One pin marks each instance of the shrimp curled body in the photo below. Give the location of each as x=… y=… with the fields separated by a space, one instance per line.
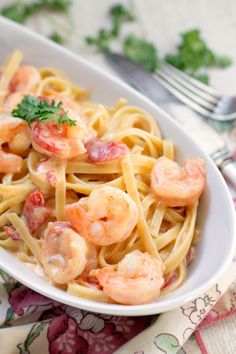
x=25 y=79
x=175 y=186
x=62 y=144
x=107 y=216
x=137 y=281
x=63 y=252
x=16 y=134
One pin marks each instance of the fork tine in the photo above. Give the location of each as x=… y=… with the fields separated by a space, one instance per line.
x=195 y=98
x=186 y=82
x=189 y=102
x=192 y=80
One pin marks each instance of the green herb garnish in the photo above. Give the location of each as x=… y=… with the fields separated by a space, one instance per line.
x=101 y=41
x=16 y=12
x=57 y=5
x=193 y=55
x=118 y=14
x=56 y=37
x=32 y=108
x=141 y=51
x=19 y=11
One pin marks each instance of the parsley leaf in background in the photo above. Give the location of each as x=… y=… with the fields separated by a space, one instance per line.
x=15 y=12
x=57 y=5
x=202 y=77
x=101 y=41
x=31 y=108
x=141 y=52
x=119 y=14
x=19 y=11
x=193 y=55
x=56 y=37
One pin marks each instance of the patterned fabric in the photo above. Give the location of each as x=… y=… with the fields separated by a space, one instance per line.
x=64 y=329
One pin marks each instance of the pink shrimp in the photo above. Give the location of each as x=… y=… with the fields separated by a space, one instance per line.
x=25 y=79
x=13 y=100
x=107 y=216
x=14 y=132
x=137 y=280
x=63 y=143
x=63 y=252
x=175 y=186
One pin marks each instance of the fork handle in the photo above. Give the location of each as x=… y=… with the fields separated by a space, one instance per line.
x=229 y=172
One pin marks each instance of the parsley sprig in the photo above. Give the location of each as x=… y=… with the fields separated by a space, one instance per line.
x=118 y=14
x=141 y=52
x=57 y=37
x=32 y=108
x=193 y=55
x=19 y=11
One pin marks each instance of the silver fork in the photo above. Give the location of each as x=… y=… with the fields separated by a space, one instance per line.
x=200 y=97
x=192 y=92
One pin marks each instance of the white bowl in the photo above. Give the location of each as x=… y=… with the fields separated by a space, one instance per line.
x=216 y=217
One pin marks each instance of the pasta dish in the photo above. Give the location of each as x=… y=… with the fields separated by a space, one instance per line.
x=91 y=198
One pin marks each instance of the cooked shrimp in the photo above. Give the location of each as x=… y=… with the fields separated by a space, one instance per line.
x=63 y=143
x=63 y=252
x=14 y=132
x=175 y=186
x=13 y=100
x=26 y=79
x=45 y=175
x=71 y=108
x=137 y=281
x=107 y=216
x=92 y=258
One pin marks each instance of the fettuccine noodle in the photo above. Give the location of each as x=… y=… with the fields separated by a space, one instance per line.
x=166 y=232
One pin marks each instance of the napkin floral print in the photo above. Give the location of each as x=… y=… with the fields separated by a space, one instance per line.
x=67 y=330
x=168 y=344
x=197 y=309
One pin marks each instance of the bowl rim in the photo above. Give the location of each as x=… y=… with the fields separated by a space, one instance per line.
x=116 y=309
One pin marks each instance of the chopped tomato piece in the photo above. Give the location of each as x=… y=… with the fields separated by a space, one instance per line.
x=90 y=282
x=11 y=232
x=101 y=151
x=44 y=98
x=52 y=178
x=190 y=255
x=170 y=280
x=35 y=212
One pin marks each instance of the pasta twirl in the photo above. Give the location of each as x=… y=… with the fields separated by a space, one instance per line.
x=91 y=178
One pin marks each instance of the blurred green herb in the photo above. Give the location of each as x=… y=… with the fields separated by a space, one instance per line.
x=118 y=14
x=193 y=55
x=57 y=5
x=101 y=41
x=202 y=77
x=141 y=52
x=56 y=37
x=19 y=11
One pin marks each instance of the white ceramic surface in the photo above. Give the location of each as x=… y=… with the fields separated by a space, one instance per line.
x=216 y=217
